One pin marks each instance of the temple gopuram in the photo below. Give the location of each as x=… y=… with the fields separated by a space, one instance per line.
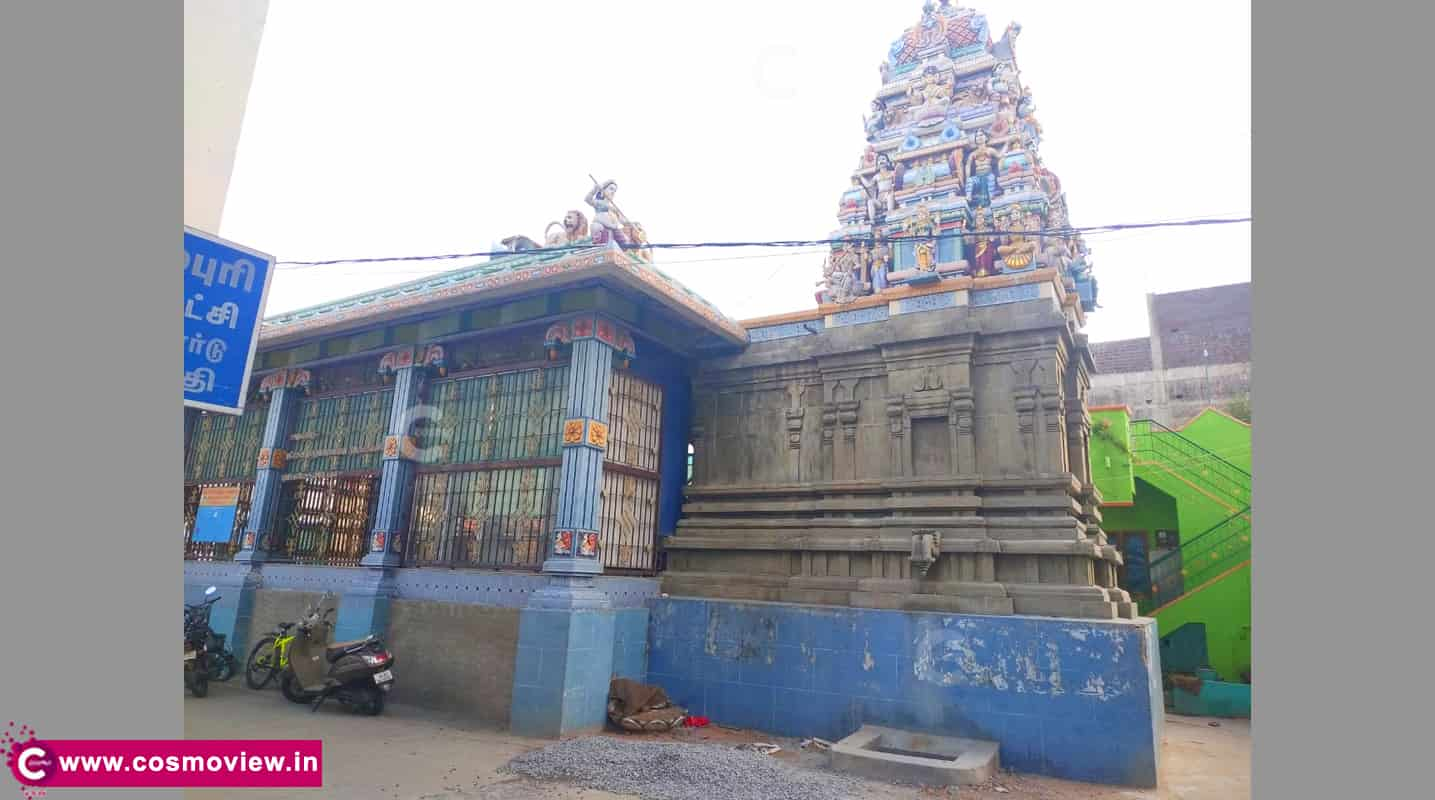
x=540 y=472
x=951 y=182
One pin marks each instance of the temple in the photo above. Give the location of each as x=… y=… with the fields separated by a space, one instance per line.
x=935 y=402
x=558 y=466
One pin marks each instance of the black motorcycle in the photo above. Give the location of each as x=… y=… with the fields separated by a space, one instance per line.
x=197 y=636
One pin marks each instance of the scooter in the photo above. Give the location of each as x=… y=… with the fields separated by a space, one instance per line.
x=357 y=673
x=196 y=643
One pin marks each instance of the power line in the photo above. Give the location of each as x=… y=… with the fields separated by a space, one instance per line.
x=787 y=243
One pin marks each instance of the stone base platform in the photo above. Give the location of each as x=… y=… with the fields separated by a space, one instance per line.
x=1075 y=699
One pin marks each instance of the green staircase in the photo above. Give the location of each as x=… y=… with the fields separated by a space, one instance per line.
x=1164 y=455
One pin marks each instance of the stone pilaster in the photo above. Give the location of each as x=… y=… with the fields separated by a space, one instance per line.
x=1053 y=449
x=897 y=434
x=963 y=418
x=829 y=429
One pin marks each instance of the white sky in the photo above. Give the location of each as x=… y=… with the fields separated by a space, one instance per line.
x=384 y=129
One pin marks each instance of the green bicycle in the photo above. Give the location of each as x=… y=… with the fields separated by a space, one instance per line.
x=269 y=657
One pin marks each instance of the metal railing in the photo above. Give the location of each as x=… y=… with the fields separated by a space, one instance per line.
x=1197 y=561
x=1159 y=445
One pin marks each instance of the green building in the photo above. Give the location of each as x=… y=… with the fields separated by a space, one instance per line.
x=1177 y=504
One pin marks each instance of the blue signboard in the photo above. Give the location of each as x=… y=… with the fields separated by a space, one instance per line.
x=225 y=286
x=213 y=523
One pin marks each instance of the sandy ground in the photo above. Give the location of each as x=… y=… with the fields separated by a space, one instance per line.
x=416 y=754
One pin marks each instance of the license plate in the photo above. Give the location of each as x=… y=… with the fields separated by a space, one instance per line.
x=383 y=677
x=188 y=655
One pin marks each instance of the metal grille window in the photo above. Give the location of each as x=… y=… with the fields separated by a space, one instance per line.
x=340 y=434
x=484 y=518
x=213 y=551
x=224 y=447
x=627 y=526
x=502 y=417
x=326 y=520
x=628 y=515
x=635 y=415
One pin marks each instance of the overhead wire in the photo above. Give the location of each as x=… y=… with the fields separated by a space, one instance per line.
x=784 y=243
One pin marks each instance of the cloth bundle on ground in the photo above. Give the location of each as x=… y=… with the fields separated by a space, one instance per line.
x=639 y=707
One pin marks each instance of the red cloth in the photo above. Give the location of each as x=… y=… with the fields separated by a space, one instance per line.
x=695 y=722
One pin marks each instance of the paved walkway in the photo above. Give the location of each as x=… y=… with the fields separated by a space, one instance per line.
x=414 y=754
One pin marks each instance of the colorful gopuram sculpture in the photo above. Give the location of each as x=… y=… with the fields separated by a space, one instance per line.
x=951 y=182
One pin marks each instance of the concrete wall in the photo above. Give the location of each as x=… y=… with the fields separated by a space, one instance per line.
x=221 y=47
x=454 y=633
x=1068 y=698
x=453 y=657
x=1172 y=397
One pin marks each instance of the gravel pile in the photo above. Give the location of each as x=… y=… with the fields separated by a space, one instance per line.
x=673 y=771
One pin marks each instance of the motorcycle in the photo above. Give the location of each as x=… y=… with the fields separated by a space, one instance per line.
x=196 y=643
x=357 y=673
x=222 y=662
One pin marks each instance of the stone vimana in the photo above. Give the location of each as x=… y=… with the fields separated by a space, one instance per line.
x=878 y=457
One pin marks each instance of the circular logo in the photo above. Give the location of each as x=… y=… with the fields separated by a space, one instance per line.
x=33 y=763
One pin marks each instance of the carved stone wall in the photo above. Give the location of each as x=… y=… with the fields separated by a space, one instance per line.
x=817 y=457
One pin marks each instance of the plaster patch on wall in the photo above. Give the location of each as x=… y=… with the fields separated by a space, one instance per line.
x=1096 y=687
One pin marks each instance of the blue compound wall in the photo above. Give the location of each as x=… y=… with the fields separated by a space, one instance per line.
x=1077 y=699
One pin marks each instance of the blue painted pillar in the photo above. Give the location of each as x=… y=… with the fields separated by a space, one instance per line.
x=566 y=633
x=573 y=548
x=268 y=479
x=386 y=540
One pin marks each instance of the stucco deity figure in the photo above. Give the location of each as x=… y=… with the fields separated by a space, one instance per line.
x=980 y=244
x=923 y=224
x=981 y=171
x=609 y=224
x=876 y=123
x=573 y=229
x=879 y=261
x=880 y=189
x=930 y=95
x=838 y=277
x=1020 y=248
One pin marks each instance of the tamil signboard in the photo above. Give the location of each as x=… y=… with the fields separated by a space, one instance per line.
x=214 y=521
x=225 y=286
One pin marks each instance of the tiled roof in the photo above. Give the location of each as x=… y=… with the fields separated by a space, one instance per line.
x=1204 y=326
x=1124 y=355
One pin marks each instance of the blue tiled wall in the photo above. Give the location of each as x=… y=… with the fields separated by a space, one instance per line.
x=1076 y=699
x=630 y=644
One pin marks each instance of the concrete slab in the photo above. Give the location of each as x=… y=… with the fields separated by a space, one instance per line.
x=915 y=758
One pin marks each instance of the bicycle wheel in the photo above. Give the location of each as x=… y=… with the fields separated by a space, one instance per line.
x=263 y=664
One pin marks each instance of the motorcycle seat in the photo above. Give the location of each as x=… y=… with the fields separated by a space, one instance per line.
x=338 y=649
